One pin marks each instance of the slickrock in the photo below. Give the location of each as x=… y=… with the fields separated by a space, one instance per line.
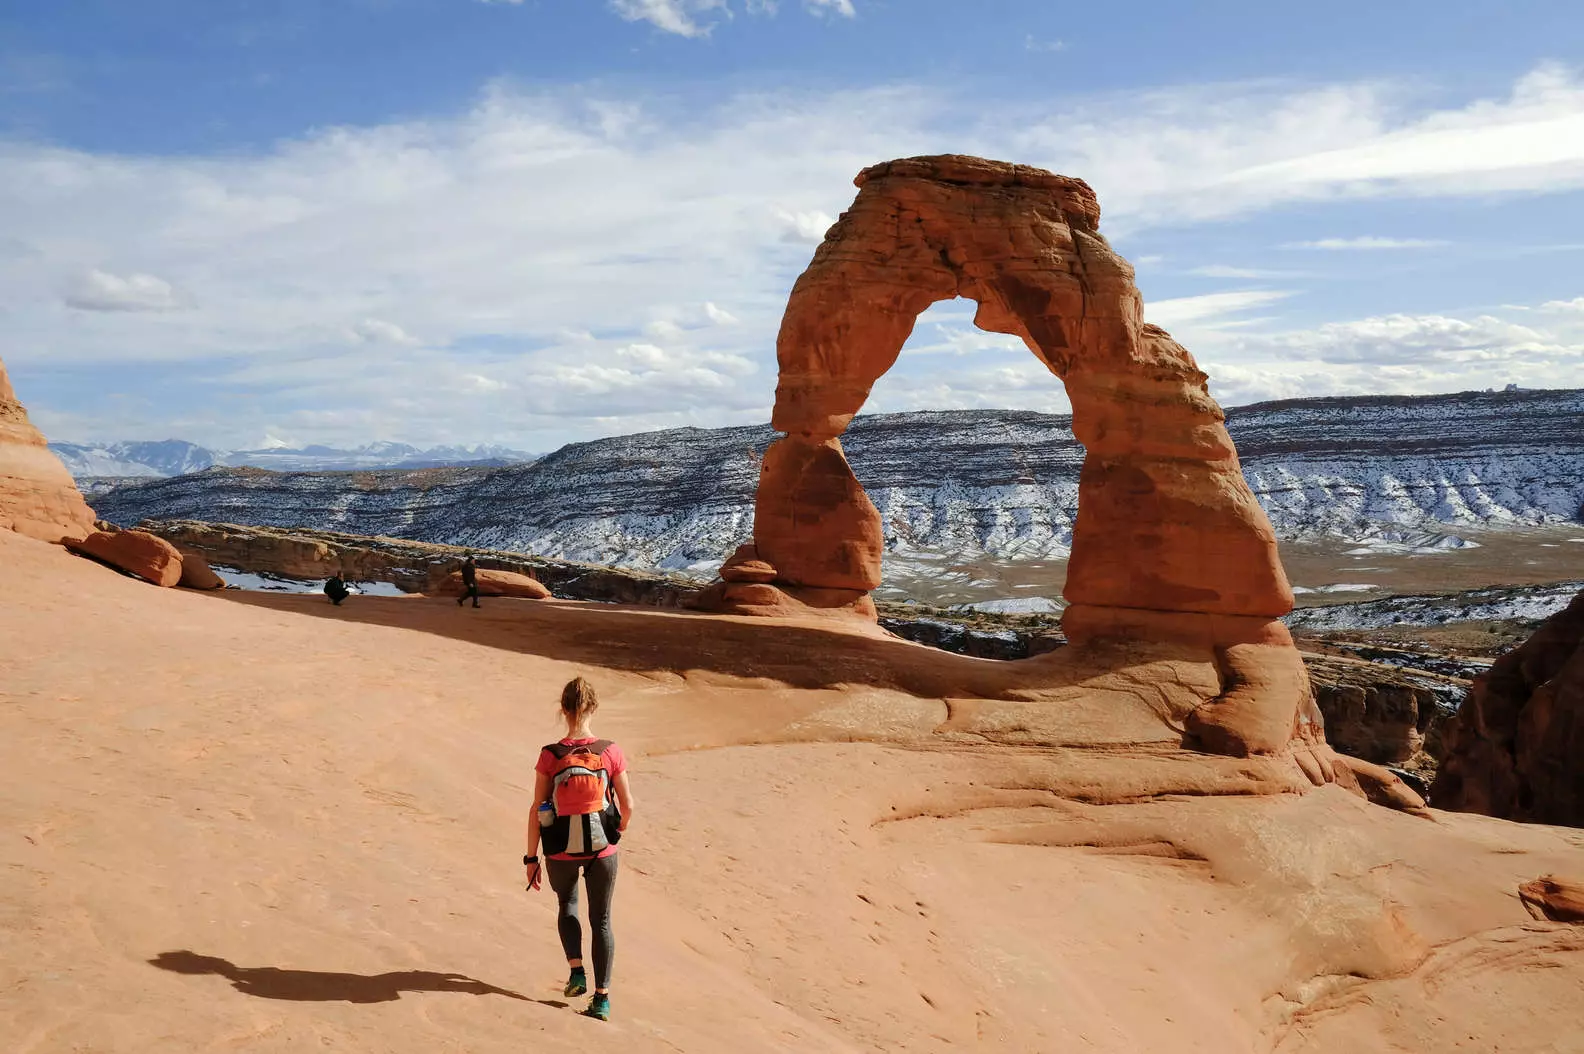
x=492 y=583
x=1554 y=899
x=744 y=565
x=135 y=552
x=1516 y=747
x=37 y=495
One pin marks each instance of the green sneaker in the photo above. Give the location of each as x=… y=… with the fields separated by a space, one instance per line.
x=599 y=1007
x=577 y=983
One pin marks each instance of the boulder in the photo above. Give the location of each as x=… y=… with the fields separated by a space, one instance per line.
x=492 y=583
x=1553 y=899
x=1515 y=750
x=196 y=573
x=135 y=552
x=38 y=497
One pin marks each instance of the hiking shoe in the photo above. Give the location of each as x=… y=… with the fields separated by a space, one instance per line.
x=599 y=1007
x=576 y=984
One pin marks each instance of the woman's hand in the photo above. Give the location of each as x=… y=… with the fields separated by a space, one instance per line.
x=534 y=872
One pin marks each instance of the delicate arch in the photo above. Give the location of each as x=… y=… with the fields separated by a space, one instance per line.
x=1165 y=522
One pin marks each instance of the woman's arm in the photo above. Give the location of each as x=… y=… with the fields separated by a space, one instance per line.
x=541 y=792
x=624 y=798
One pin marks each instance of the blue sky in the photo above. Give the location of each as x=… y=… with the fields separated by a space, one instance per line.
x=448 y=221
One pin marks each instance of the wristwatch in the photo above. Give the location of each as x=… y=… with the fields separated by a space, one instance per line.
x=529 y=860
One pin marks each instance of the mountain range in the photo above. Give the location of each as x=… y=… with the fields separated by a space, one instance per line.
x=177 y=457
x=1397 y=473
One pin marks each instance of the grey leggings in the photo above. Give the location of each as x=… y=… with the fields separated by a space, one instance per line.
x=599 y=875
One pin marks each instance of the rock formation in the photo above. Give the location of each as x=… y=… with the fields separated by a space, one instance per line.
x=197 y=574
x=1373 y=711
x=37 y=495
x=135 y=552
x=492 y=583
x=1516 y=747
x=1553 y=899
x=1169 y=542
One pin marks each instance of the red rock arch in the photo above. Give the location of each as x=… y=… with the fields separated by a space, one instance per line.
x=1169 y=545
x=1166 y=522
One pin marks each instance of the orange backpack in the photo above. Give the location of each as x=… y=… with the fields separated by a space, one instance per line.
x=587 y=820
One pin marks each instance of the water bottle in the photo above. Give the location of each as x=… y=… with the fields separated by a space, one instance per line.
x=546 y=814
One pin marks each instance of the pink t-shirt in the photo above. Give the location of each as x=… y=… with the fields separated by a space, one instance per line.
x=615 y=764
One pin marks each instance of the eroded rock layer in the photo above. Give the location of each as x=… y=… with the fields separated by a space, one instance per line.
x=37 y=496
x=1516 y=747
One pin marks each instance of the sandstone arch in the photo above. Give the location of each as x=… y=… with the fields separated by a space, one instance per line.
x=1169 y=542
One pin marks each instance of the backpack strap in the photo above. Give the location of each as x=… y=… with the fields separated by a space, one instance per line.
x=559 y=750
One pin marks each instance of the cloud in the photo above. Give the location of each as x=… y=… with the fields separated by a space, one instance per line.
x=533 y=236
x=1047 y=46
x=835 y=7
x=1341 y=244
x=719 y=315
x=803 y=228
x=378 y=331
x=1199 y=309
x=671 y=16
x=101 y=291
x=1576 y=304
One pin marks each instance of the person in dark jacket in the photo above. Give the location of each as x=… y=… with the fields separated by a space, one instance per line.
x=336 y=589
x=469 y=582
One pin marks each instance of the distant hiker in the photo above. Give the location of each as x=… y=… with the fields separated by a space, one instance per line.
x=582 y=804
x=469 y=581
x=336 y=589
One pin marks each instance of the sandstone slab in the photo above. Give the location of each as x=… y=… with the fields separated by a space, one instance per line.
x=493 y=583
x=135 y=552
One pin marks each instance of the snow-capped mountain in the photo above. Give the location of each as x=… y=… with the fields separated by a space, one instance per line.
x=176 y=457
x=1387 y=471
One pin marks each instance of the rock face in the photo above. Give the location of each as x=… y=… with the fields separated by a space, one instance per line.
x=1373 y=711
x=1516 y=747
x=1169 y=542
x=37 y=496
x=135 y=552
x=493 y=583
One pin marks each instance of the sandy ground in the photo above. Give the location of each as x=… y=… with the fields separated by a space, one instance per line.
x=257 y=822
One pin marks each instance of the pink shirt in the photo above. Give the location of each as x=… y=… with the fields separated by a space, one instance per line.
x=615 y=764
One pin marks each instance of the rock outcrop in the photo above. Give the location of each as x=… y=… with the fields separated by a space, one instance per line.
x=135 y=552
x=1516 y=747
x=37 y=496
x=197 y=574
x=1372 y=710
x=1169 y=543
x=493 y=583
x=1553 y=899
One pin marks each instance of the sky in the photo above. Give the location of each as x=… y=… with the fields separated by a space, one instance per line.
x=530 y=222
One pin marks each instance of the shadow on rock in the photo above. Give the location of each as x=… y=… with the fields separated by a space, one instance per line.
x=272 y=982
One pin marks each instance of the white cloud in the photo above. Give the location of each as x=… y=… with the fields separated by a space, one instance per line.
x=1366 y=242
x=807 y=228
x=1576 y=304
x=719 y=315
x=378 y=331
x=838 y=7
x=1048 y=46
x=99 y=290
x=531 y=238
x=671 y=16
x=1198 y=309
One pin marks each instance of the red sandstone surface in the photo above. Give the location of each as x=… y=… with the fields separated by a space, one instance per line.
x=492 y=583
x=37 y=496
x=136 y=552
x=262 y=822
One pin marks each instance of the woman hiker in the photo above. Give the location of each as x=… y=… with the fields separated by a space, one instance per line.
x=582 y=804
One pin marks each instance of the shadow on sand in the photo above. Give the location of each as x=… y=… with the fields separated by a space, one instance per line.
x=272 y=982
x=798 y=655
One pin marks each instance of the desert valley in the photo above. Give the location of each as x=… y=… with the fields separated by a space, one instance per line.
x=1020 y=733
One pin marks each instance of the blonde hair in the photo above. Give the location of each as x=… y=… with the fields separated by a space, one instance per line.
x=578 y=700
